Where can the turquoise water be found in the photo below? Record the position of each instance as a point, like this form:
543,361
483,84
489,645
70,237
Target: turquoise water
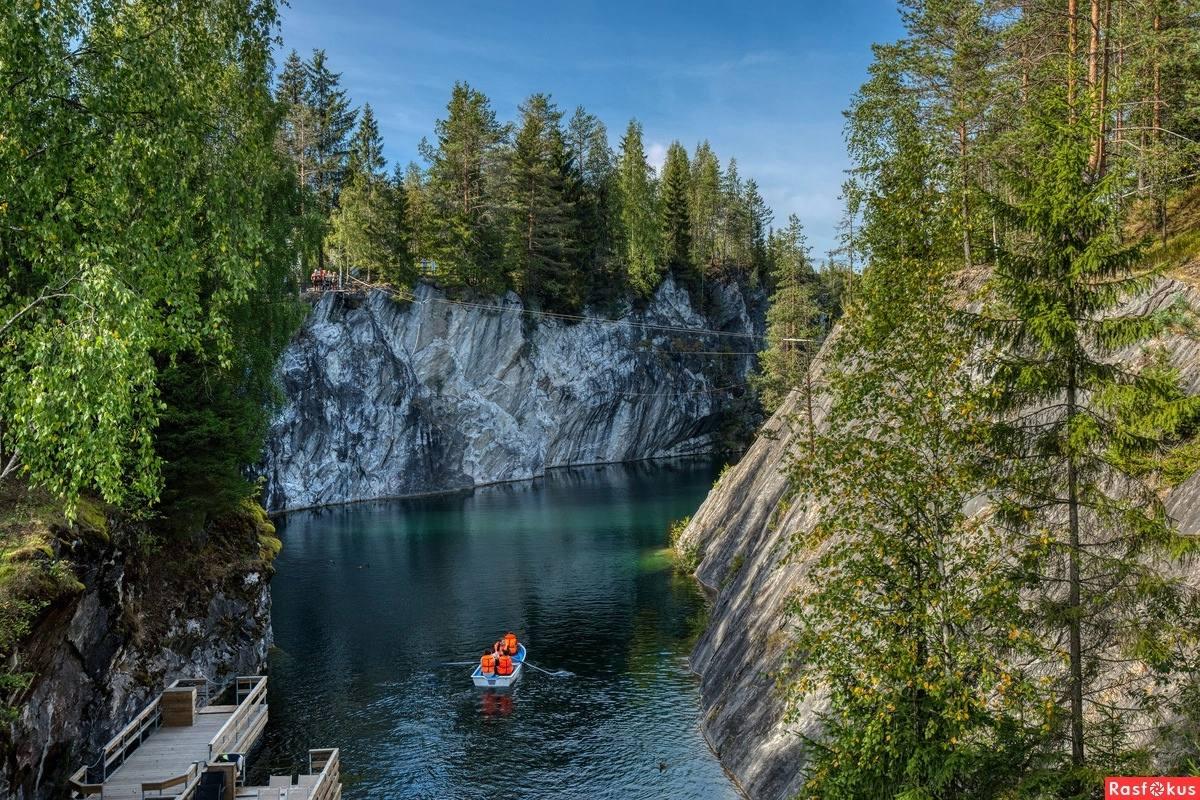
370,600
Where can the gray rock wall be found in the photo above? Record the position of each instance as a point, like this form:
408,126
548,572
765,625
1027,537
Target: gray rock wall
98,659
387,397
743,532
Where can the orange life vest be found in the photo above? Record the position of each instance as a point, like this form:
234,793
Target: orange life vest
487,664
506,666
510,643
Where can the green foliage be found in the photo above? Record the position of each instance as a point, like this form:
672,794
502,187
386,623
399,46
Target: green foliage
909,626
793,314
1077,478
463,192
540,193
366,147
333,120
676,217
641,235
685,556
370,230
137,187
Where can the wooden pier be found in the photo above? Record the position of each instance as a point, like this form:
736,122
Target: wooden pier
182,747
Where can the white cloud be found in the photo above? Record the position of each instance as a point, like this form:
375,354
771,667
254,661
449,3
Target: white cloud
656,154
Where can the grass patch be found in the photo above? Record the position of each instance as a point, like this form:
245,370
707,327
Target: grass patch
685,555
32,576
721,475
735,567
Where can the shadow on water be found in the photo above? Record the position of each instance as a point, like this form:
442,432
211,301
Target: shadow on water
370,599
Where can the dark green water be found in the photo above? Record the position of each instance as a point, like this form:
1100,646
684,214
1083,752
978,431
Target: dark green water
370,599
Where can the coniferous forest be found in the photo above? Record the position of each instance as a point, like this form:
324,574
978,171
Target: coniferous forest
542,205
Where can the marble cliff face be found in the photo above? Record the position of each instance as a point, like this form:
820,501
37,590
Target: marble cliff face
388,397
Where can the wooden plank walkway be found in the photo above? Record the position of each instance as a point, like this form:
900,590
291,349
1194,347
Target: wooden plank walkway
165,754
167,748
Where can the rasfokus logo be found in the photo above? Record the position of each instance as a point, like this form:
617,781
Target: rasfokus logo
1151,787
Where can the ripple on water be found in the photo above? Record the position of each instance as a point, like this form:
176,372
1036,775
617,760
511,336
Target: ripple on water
370,600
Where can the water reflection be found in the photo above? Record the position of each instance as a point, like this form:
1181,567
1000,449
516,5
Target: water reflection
371,600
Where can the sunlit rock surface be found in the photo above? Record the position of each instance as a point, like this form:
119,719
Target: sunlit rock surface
387,397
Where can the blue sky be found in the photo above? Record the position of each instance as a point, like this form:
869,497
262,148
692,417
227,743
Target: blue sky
765,82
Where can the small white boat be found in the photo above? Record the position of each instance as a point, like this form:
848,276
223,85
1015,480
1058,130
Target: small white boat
500,681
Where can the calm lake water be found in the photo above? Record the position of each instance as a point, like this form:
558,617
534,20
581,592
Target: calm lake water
370,600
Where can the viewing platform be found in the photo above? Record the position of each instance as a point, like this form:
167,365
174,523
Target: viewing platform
183,746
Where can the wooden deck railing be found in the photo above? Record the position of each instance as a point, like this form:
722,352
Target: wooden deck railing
247,720
326,766
189,780
87,779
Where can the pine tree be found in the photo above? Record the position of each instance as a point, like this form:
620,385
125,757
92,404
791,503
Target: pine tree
676,219
1079,434
540,239
463,187
639,219
792,315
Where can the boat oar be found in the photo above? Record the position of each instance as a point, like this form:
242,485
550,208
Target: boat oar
561,673
458,663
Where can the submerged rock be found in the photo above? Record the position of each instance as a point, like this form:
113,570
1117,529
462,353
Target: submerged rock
389,397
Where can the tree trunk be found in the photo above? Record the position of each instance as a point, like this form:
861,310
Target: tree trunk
1072,45
1094,47
1098,55
966,198
1156,105
1075,610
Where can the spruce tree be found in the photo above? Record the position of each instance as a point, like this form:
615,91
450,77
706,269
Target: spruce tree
541,226
642,240
736,227
760,216
298,141
911,626
595,208
704,206
334,120
366,147
1080,430
676,219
